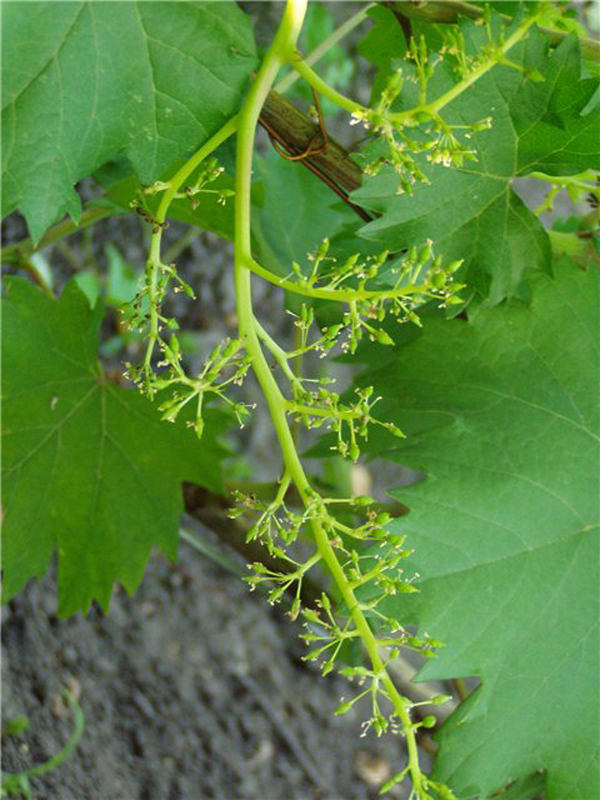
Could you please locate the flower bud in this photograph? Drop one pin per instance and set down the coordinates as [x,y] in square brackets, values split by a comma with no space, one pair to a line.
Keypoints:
[343,708]
[363,500]
[422,116]
[425,253]
[295,609]
[438,281]
[322,250]
[383,337]
[395,82]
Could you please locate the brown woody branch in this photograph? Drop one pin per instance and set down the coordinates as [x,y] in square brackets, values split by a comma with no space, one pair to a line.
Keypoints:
[296,132]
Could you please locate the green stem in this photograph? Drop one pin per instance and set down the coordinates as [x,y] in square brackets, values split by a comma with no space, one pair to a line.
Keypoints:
[336,295]
[305,71]
[73,741]
[326,45]
[315,411]
[477,73]
[154,260]
[407,117]
[280,356]
[283,44]
[579,181]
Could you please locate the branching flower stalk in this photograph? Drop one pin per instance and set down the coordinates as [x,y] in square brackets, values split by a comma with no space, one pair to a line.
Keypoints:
[362,558]
[282,46]
[442,146]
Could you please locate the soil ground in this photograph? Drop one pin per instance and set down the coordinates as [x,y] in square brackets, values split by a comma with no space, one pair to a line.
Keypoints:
[193,688]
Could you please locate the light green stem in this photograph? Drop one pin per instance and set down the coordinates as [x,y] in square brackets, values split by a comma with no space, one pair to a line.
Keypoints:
[281,356]
[319,85]
[154,260]
[437,105]
[284,42]
[326,45]
[407,117]
[584,180]
[315,411]
[337,295]
[13,783]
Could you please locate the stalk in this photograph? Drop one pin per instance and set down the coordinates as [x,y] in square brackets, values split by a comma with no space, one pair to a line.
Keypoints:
[407,117]
[283,44]
[336,295]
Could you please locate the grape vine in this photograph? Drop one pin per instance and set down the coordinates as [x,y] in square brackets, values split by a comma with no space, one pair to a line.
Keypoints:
[418,277]
[458,112]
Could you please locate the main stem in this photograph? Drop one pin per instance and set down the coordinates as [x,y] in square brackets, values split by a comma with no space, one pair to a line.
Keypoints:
[279,52]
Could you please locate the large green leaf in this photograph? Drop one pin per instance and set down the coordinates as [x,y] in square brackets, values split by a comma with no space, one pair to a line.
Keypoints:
[86,81]
[472,212]
[504,420]
[88,467]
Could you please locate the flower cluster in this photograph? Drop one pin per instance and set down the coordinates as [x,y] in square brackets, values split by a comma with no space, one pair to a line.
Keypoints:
[348,421]
[372,569]
[433,137]
[282,580]
[419,134]
[326,636]
[370,557]
[273,521]
[226,365]
[372,287]
[208,172]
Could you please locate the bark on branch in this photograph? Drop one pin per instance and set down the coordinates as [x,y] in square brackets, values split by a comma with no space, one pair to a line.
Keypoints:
[295,131]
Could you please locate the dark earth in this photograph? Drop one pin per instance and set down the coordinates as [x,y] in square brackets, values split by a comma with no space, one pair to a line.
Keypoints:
[193,688]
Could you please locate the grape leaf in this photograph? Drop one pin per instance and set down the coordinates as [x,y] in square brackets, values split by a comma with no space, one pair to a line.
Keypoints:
[472,212]
[88,467]
[505,422]
[87,81]
[557,130]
